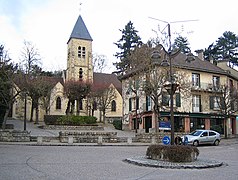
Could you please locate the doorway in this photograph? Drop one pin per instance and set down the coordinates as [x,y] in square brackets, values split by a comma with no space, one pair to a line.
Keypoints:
[148,123]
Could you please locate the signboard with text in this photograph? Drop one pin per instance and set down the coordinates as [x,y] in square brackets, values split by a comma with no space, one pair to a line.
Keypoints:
[164,125]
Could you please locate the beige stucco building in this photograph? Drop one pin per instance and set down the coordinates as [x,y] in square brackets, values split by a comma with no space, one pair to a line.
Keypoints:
[196,100]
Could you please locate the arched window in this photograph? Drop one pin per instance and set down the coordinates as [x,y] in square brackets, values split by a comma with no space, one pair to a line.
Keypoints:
[79,51]
[84,52]
[58,103]
[113,106]
[80,73]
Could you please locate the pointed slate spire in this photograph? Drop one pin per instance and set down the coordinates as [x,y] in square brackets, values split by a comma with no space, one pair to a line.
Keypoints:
[80,30]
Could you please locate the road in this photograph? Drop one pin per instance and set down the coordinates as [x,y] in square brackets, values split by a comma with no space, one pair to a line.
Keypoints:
[24,162]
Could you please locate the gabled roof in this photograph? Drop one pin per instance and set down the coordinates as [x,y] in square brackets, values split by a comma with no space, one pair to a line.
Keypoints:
[20,80]
[80,30]
[106,80]
[196,65]
[179,61]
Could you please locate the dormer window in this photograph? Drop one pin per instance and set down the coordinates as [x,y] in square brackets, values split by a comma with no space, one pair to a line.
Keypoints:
[216,82]
[195,80]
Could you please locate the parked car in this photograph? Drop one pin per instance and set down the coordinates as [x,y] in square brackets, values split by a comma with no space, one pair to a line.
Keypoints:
[202,136]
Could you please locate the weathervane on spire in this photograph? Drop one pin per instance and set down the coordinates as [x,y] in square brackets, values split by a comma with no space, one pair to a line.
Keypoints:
[80,7]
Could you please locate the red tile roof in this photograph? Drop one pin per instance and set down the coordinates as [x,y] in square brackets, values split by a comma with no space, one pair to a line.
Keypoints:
[103,79]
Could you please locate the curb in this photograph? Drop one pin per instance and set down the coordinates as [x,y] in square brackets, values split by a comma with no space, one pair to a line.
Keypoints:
[74,144]
[198,164]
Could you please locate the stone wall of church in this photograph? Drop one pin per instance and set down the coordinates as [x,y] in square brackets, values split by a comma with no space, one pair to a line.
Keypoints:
[74,63]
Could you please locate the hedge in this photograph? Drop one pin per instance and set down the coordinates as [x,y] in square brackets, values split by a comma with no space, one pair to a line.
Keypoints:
[70,120]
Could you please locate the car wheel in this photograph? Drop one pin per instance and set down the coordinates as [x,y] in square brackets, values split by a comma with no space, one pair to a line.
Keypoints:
[216,143]
[195,143]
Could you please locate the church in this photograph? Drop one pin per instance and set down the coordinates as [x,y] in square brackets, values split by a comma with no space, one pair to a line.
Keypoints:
[79,68]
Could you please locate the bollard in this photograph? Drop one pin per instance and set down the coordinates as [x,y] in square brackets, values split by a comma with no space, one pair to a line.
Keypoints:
[39,140]
[129,140]
[70,140]
[99,140]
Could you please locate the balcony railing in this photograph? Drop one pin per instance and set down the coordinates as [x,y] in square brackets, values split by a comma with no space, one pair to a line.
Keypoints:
[207,87]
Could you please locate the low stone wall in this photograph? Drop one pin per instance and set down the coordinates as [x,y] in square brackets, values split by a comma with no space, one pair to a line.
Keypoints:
[51,139]
[149,137]
[88,137]
[79,128]
[14,136]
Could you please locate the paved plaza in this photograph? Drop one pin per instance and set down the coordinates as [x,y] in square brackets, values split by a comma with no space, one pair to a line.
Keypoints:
[25,162]
[36,131]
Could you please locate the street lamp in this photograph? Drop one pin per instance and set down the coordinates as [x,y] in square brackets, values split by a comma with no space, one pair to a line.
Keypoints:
[171,86]
[25,107]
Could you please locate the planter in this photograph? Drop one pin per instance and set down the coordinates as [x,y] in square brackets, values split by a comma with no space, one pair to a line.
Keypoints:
[172,153]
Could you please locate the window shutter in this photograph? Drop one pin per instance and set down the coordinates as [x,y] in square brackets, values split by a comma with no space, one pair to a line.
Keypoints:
[130,103]
[222,100]
[211,102]
[137,84]
[200,104]
[137,103]
[165,100]
[147,103]
[178,100]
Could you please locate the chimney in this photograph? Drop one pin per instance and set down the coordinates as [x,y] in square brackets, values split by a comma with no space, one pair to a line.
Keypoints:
[200,54]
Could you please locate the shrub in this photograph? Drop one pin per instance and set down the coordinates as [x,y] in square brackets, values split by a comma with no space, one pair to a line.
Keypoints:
[76,120]
[172,153]
[2,113]
[69,120]
[117,124]
[51,119]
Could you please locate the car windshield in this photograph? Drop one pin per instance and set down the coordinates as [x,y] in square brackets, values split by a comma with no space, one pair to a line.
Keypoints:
[195,133]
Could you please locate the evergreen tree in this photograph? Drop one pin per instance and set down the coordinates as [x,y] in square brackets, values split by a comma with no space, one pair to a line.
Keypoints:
[225,48]
[182,44]
[126,44]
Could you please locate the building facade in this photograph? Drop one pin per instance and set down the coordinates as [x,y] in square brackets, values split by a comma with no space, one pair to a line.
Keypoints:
[197,100]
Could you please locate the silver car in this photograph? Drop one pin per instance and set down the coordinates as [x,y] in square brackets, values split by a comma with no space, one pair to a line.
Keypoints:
[202,136]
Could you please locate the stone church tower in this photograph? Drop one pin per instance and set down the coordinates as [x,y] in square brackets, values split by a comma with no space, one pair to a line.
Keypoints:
[79,59]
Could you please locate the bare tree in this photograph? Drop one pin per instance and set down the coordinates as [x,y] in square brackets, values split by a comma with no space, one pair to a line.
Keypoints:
[225,101]
[104,95]
[30,58]
[99,63]
[8,89]
[30,61]
[76,91]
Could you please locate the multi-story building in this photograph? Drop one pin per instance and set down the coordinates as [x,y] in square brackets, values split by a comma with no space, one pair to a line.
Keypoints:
[197,100]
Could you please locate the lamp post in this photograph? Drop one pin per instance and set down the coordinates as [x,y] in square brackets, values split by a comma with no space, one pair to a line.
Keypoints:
[171,86]
[25,107]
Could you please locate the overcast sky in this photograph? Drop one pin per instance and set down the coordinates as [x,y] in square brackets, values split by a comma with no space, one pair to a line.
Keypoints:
[49,23]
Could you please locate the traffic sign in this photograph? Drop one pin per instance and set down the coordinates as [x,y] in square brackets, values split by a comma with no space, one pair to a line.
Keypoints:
[185,140]
[166,140]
